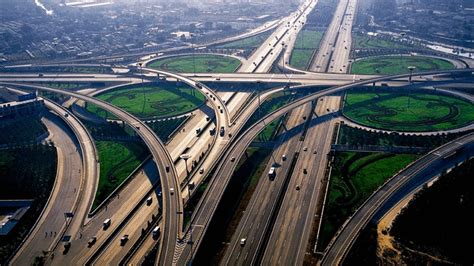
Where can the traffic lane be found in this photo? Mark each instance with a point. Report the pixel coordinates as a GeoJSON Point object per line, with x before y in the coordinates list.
{"type": "Point", "coordinates": [288, 237]}
{"type": "Point", "coordinates": [255, 220]}
{"type": "Point", "coordinates": [63, 197]}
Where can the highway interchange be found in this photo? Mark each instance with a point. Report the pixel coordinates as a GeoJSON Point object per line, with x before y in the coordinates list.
{"type": "Point", "coordinates": [268, 223]}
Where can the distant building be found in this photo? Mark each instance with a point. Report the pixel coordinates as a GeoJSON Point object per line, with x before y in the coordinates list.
{"type": "Point", "coordinates": [11, 211]}
{"type": "Point", "coordinates": [13, 106]}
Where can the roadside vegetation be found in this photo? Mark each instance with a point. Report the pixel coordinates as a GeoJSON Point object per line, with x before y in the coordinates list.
{"type": "Point", "coordinates": [117, 161]}
{"type": "Point", "coordinates": [22, 131]}
{"type": "Point", "coordinates": [199, 63]}
{"type": "Point", "coordinates": [355, 176]}
{"type": "Point", "coordinates": [26, 173]}
{"type": "Point", "coordinates": [438, 221]}
{"type": "Point", "coordinates": [364, 41]}
{"type": "Point", "coordinates": [151, 101]}
{"type": "Point", "coordinates": [387, 65]}
{"type": "Point", "coordinates": [404, 111]}
{"type": "Point", "coordinates": [358, 137]}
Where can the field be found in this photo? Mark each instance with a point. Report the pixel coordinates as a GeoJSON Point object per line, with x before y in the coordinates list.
{"type": "Point", "coordinates": [117, 161]}
{"type": "Point", "coordinates": [306, 42]}
{"type": "Point", "coordinates": [408, 112]}
{"type": "Point", "coordinates": [26, 173]}
{"type": "Point", "coordinates": [398, 64]}
{"type": "Point", "coordinates": [354, 178]}
{"type": "Point", "coordinates": [199, 63]}
{"type": "Point", "coordinates": [372, 42]}
{"type": "Point", "coordinates": [153, 101]}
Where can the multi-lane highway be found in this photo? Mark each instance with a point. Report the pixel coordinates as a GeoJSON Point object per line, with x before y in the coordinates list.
{"type": "Point", "coordinates": [334, 49]}
{"type": "Point", "coordinates": [432, 164]}
{"type": "Point", "coordinates": [208, 204]}
{"type": "Point", "coordinates": [172, 202]}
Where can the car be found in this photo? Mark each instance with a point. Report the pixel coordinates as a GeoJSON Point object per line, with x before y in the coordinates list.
{"type": "Point", "coordinates": [171, 191]}
{"type": "Point", "coordinates": [305, 171]}
{"type": "Point", "coordinates": [305, 148]}
{"type": "Point", "coordinates": [91, 241]}
{"type": "Point", "coordinates": [315, 152]}
{"type": "Point", "coordinates": [208, 118]}
{"type": "Point", "coordinates": [218, 78]}
{"type": "Point", "coordinates": [283, 157]}
{"type": "Point", "coordinates": [149, 200]}
{"type": "Point", "coordinates": [107, 223]}
{"type": "Point", "coordinates": [201, 171]}
{"type": "Point", "coordinates": [67, 246]}
{"type": "Point", "coordinates": [242, 241]}
{"type": "Point", "coordinates": [297, 187]}
{"type": "Point", "coordinates": [123, 240]}
{"type": "Point", "coordinates": [156, 232]}
{"type": "Point", "coordinates": [232, 159]}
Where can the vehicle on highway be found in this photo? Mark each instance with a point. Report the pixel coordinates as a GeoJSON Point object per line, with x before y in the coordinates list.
{"type": "Point", "coordinates": [67, 246]}
{"type": "Point", "coordinates": [156, 232]}
{"type": "Point", "coordinates": [208, 118]}
{"type": "Point", "coordinates": [305, 171]}
{"type": "Point", "coordinates": [191, 185]}
{"type": "Point", "coordinates": [297, 187]}
{"type": "Point", "coordinates": [198, 130]}
{"type": "Point", "coordinates": [149, 200]}
{"type": "Point", "coordinates": [242, 241]}
{"type": "Point", "coordinates": [212, 131]}
{"type": "Point", "coordinates": [305, 148]}
{"type": "Point", "coordinates": [315, 152]}
{"type": "Point", "coordinates": [123, 240]}
{"type": "Point", "coordinates": [201, 171]}
{"type": "Point", "coordinates": [283, 157]}
{"type": "Point", "coordinates": [106, 224]}
{"type": "Point", "coordinates": [272, 172]}
{"type": "Point", "coordinates": [199, 85]}
{"type": "Point", "coordinates": [232, 159]}
{"type": "Point", "coordinates": [171, 191]}
{"type": "Point", "coordinates": [222, 132]}
{"type": "Point", "coordinates": [91, 241]}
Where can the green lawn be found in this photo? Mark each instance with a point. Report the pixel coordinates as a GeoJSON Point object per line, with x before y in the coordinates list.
{"type": "Point", "coordinates": [363, 41]}
{"type": "Point", "coordinates": [354, 178]}
{"type": "Point", "coordinates": [301, 58]}
{"type": "Point", "coordinates": [198, 63]}
{"type": "Point", "coordinates": [117, 161]}
{"type": "Point", "coordinates": [306, 42]}
{"type": "Point", "coordinates": [398, 64]}
{"type": "Point", "coordinates": [403, 112]}
{"type": "Point", "coordinates": [151, 101]}
{"type": "Point", "coordinates": [309, 39]}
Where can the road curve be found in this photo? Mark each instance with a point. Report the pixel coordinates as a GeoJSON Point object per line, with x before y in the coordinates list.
{"type": "Point", "coordinates": [342, 242]}
{"type": "Point", "coordinates": [172, 203]}
{"type": "Point", "coordinates": [208, 204]}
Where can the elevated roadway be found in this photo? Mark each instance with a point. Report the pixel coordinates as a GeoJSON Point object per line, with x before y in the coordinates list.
{"type": "Point", "coordinates": [208, 204]}
{"type": "Point", "coordinates": [172, 203]}
{"type": "Point", "coordinates": [414, 175]}
{"type": "Point", "coordinates": [76, 182]}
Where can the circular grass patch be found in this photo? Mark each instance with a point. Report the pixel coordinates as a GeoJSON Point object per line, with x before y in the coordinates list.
{"type": "Point", "coordinates": [151, 101]}
{"type": "Point", "coordinates": [200, 63]}
{"type": "Point", "coordinates": [387, 65]}
{"type": "Point", "coordinates": [408, 112]}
